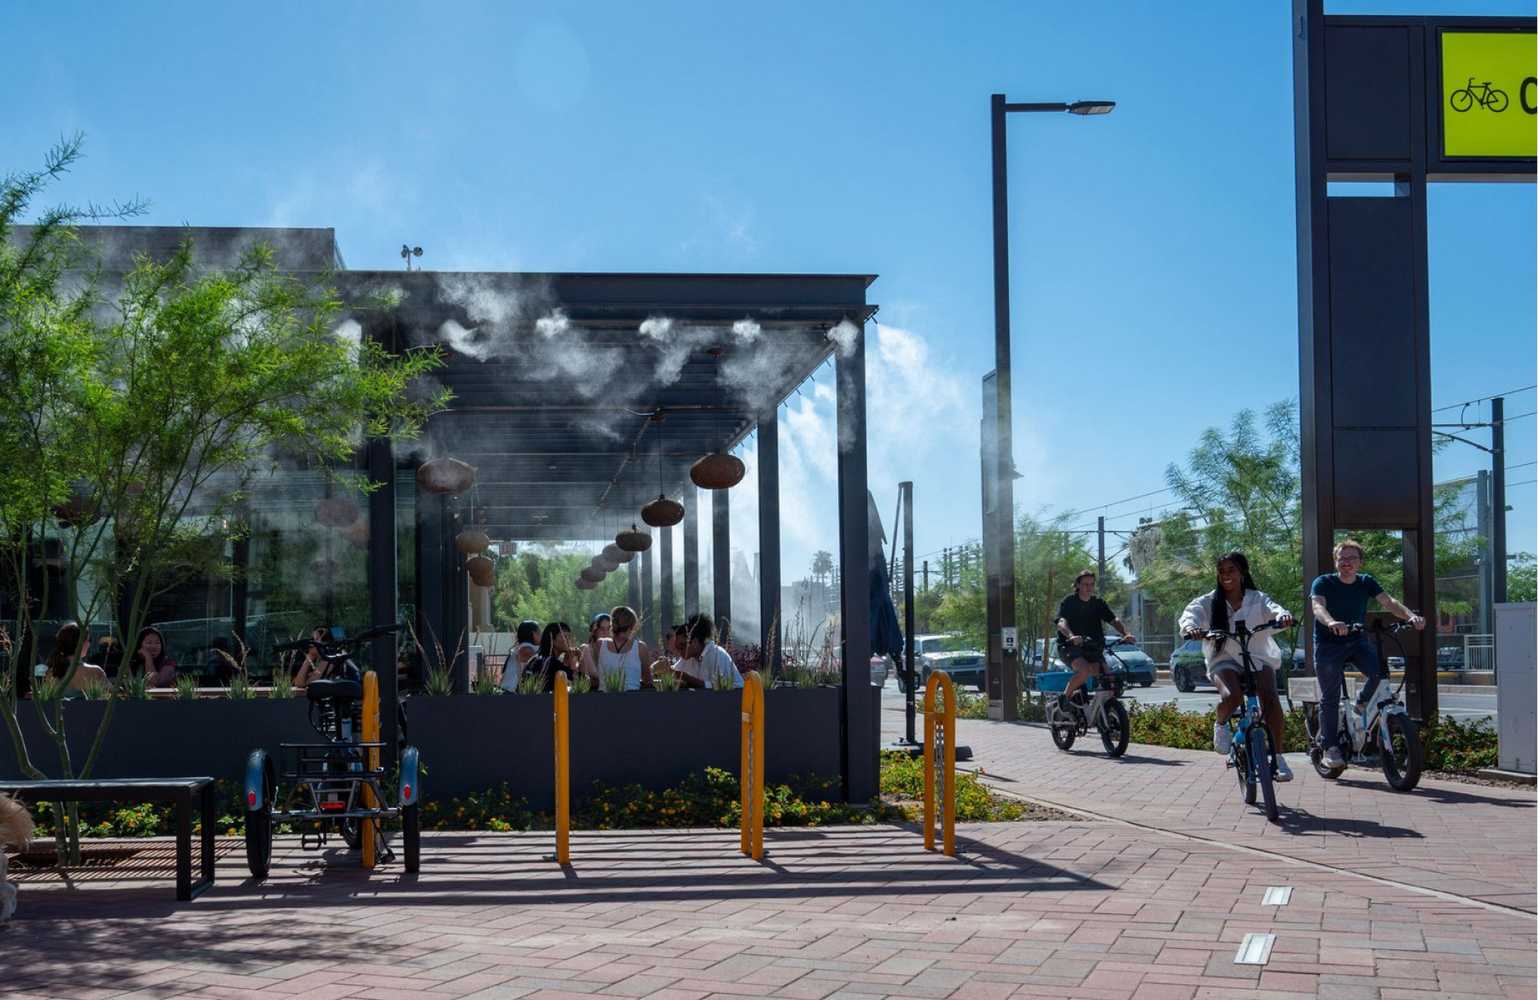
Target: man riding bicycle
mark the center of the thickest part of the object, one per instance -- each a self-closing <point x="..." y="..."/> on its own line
<point x="1339" y="600"/>
<point x="1079" y="624"/>
<point x="1236" y="599"/>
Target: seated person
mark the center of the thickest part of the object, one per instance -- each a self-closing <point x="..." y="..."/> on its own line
<point x="69" y="647"/>
<point x="316" y="667"/>
<point x="556" y="653"/>
<point x="624" y="653"/>
<point x="108" y="654"/>
<point x="524" y="651"/>
<point x="705" y="664"/>
<point x="674" y="641"/>
<point x="221" y="661"/>
<point x="150" y="656"/>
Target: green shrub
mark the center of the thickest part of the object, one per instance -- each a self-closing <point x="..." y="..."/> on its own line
<point x="902" y="778"/>
<point x="1455" y="746"/>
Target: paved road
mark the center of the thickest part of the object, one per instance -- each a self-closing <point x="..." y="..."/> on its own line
<point x="1478" y="703"/>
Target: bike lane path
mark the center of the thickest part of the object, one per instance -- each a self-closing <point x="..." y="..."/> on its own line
<point x="1472" y="841"/>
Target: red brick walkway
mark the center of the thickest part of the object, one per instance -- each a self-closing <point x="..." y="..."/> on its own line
<point x="1471" y="840"/>
<point x="1094" y="909"/>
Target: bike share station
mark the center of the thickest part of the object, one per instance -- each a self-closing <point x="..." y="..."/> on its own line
<point x="1400" y="102"/>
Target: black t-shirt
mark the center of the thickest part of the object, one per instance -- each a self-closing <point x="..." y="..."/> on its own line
<point x="1085" y="618"/>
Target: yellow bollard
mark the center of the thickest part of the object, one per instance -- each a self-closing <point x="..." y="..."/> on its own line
<point x="751" y="775"/>
<point x="945" y="721"/>
<point x="562" y="771"/>
<point x="371" y="759"/>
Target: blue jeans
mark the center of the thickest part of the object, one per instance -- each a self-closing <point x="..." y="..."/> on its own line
<point x="1330" y="656"/>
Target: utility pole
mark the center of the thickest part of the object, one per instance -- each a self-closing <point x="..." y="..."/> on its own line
<point x="926" y="576"/>
<point x="1100" y="560"/>
<point x="910" y="677"/>
<point x="1498" y="498"/>
<point x="1483" y="511"/>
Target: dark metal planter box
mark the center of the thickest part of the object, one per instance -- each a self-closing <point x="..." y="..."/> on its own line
<point x="649" y="738"/>
<point x="163" y="739"/>
<point x="469" y="742"/>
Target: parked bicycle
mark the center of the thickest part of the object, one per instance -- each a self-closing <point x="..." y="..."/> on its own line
<point x="1250" y="753"/>
<point x="1387" y="737"/>
<point x="1104" y="710"/>
<point x="1483" y="94"/>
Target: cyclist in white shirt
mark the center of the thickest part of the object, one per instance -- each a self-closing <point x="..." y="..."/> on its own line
<point x="705" y="664"/>
<point x="1235" y="600"/>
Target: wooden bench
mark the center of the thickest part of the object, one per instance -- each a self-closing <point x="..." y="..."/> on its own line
<point x="185" y="793"/>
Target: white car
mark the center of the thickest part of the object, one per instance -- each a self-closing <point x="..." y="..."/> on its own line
<point x="951" y="654"/>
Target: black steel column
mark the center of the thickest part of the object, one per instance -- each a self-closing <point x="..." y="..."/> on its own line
<point x="1498" y="502"/>
<point x="861" y="725"/>
<point x="648" y="607"/>
<point x="771" y="625"/>
<point x="665" y="551"/>
<point x="1003" y="550"/>
<point x="429" y="581"/>
<point x="455" y="634"/>
<point x="383" y="587"/>
<point x="721" y="555"/>
<point x="240" y="588"/>
<point x="905" y="489"/>
<point x="691" y="550"/>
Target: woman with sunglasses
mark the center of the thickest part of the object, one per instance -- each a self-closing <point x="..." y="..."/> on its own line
<point x="556" y="653"/>
<point x="624" y="652"/>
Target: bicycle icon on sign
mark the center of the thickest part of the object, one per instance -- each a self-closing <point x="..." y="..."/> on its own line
<point x="1483" y="95"/>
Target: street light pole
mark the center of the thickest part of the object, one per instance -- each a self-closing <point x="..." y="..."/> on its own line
<point x="1003" y="554"/>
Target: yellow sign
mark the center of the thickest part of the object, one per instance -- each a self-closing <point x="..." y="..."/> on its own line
<point x="1489" y="93"/>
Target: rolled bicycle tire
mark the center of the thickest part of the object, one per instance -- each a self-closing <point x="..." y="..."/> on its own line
<point x="1246" y="774"/>
<point x="1404" y="757"/>
<point x="1260" y="763"/>
<point x="259" y="840"/>
<point x="411" y="836"/>
<point x="1115" y="729"/>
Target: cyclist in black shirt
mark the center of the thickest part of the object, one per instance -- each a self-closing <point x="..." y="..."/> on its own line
<point x="1081" y="642"/>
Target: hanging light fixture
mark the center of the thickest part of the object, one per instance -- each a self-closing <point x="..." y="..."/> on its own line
<point x="483" y="572"/>
<point x="717" y="471"/>
<point x="445" y="475"/>
<point x="633" y="540"/>
<point x="592" y="574"/>
<point x="583" y="583"/>
<point x="663" y="512"/>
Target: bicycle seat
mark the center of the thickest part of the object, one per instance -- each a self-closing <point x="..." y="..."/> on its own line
<point x="341" y="689"/>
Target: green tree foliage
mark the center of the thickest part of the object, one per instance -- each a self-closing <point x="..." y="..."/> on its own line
<point x="136" y="417"/>
<point x="542" y="586"/>
<point x="1047" y="557"/>
<point x="1521" y="581"/>
<point x="1241" y="489"/>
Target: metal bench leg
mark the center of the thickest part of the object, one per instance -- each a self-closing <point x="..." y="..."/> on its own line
<point x="184" y="846"/>
<point x="210" y="805"/>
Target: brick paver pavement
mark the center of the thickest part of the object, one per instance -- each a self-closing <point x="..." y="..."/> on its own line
<point x="1089" y="910"/>
<point x="1094" y="909"/>
<point x="1471" y="840"/>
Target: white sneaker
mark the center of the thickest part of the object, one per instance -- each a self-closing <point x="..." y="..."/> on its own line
<point x="1332" y="758"/>
<point x="1281" y="771"/>
<point x="1222" y="737"/>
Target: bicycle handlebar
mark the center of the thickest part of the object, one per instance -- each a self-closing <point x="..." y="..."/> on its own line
<point x="1216" y="633"/>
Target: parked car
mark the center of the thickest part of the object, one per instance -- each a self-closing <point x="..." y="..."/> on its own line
<point x="1188" y="667"/>
<point x="1139" y="666"/>
<point x="880" y="669"/>
<point x="952" y="655"/>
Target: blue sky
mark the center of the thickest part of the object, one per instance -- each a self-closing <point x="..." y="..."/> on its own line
<point x="1153" y="250"/>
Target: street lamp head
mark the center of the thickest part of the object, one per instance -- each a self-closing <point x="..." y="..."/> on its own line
<point x="1091" y="107"/>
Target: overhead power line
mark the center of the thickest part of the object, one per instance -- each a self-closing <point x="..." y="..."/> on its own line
<point x="1481" y="399"/>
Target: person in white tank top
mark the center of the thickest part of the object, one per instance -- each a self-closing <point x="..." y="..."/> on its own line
<point x="624" y="652"/>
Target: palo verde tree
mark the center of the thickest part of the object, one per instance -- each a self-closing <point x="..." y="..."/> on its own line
<point x="136" y="419"/>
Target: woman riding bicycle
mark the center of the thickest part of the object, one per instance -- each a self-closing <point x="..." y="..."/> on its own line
<point x="1236" y="599"/>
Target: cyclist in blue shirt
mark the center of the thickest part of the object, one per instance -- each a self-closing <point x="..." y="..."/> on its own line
<point x="1339" y="601"/>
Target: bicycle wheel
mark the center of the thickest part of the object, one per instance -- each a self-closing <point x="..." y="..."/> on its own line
<point x="1404" y="756"/>
<point x="1063" y="730"/>
<point x="1498" y="100"/>
<point x="1115" y="730"/>
<point x="1242" y="765"/>
<point x="1461" y="100"/>
<point x="1260" y="764"/>
<point x="352" y="833"/>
